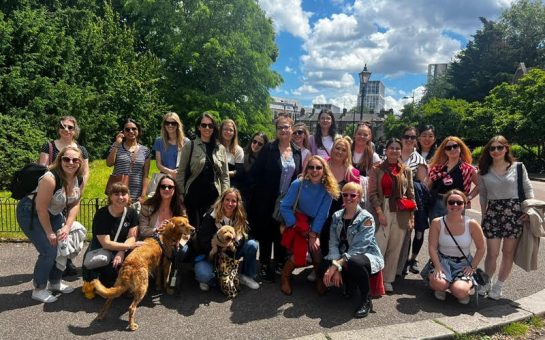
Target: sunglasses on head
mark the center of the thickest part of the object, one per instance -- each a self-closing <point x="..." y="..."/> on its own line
<point x="129" y="129"/>
<point x="315" y="167"/>
<point x="67" y="159"/>
<point x="409" y="137"/>
<point x="257" y="142"/>
<point x="298" y="132"/>
<point x="349" y="194"/>
<point x="207" y="126"/>
<point x="166" y="187"/>
<point x="452" y="146"/>
<point x="168" y="123"/>
<point x="455" y="202"/>
<point x="498" y="148"/>
<point x="66" y="127"/>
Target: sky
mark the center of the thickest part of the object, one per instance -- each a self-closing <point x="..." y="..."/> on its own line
<point x="324" y="44"/>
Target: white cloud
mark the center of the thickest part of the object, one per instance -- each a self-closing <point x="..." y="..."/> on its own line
<point x="288" y="69"/>
<point x="288" y="15"/>
<point x="319" y="99"/>
<point x="305" y="89"/>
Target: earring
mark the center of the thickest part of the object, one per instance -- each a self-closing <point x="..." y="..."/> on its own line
<point x="323" y="179"/>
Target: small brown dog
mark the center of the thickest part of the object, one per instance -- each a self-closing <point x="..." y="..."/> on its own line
<point x="223" y="240"/>
<point x="142" y="262"/>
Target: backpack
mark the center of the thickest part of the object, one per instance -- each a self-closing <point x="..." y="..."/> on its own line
<point x="25" y="181"/>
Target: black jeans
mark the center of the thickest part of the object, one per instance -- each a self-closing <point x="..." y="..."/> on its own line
<point x="357" y="272"/>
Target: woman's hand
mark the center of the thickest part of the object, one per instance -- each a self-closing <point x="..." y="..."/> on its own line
<point x="337" y="279"/>
<point x="328" y="275"/>
<point x="138" y="244"/>
<point x="62" y="234"/>
<point x="118" y="259"/>
<point x="468" y="271"/>
<point x="313" y="242"/>
<point x="382" y="219"/>
<point x="52" y="238"/>
<point x="524" y="218"/>
<point x="438" y="274"/>
<point x="119" y="138"/>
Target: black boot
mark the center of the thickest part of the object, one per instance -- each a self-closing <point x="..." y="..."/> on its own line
<point x="365" y="308"/>
<point x="412" y="265"/>
<point x="266" y="273"/>
<point x="71" y="269"/>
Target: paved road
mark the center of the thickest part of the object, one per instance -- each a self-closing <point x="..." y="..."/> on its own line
<point x="265" y="313"/>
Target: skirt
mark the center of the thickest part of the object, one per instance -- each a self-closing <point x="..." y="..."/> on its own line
<point x="501" y="219"/>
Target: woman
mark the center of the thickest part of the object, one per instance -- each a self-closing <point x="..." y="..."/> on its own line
<point x="426" y="142"/>
<point x="235" y="154"/>
<point x="502" y="222"/>
<point x="251" y="152"/>
<point x="106" y="223"/>
<point x="450" y="269"/>
<point x="49" y="226"/>
<point x="388" y="183"/>
<point x="326" y="131"/>
<point x="169" y="145"/>
<point x="129" y="157"/>
<point x="353" y="254"/>
<point x="228" y="210"/>
<point x="203" y="172"/>
<point x="419" y="168"/>
<point x="450" y="168"/>
<point x="300" y="138"/>
<point x="363" y="155"/>
<point x="279" y="163"/>
<point x="304" y="209"/>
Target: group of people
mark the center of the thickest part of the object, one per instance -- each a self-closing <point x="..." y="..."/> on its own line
<point x="322" y="199"/>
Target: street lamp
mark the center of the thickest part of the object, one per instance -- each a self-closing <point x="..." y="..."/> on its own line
<point x="408" y="97"/>
<point x="364" y="78"/>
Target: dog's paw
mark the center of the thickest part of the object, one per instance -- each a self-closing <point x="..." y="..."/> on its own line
<point x="133" y="326"/>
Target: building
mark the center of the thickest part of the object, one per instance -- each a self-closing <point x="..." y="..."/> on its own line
<point x="435" y="70"/>
<point x="284" y="106"/>
<point x="333" y="108"/>
<point x="373" y="101"/>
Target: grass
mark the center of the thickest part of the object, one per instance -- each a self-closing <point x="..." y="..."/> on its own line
<point x="533" y="328"/>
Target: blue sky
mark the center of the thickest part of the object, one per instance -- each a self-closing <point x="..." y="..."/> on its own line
<point x="324" y="44"/>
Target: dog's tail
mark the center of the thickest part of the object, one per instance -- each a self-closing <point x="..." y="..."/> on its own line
<point x="107" y="293"/>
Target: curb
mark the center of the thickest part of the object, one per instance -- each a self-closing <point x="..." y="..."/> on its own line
<point x="537" y="179"/>
<point x="485" y="320"/>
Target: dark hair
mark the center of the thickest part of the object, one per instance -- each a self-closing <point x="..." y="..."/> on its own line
<point x="208" y="115"/>
<point x="176" y="204"/>
<point x="409" y="128"/>
<point x="332" y="129"/>
<point x="433" y="147"/>
<point x="392" y="141"/>
<point x="486" y="160"/>
<point x="248" y="149"/>
<point x="119" y="187"/>
<point x="130" y="120"/>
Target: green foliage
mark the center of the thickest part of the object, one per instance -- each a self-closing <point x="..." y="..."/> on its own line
<point x="515" y="329"/>
<point x="18" y="141"/>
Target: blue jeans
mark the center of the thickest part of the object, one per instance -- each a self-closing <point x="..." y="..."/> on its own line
<point x="438" y="209"/>
<point x="45" y="268"/>
<point x="204" y="269"/>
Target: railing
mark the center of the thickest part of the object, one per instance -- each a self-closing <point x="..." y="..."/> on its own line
<point x="8" y="220"/>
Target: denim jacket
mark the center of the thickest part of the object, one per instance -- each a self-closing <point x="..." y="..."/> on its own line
<point x="361" y="239"/>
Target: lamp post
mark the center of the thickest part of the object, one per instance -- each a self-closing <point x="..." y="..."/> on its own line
<point x="408" y="97"/>
<point x="364" y="78"/>
<point x="294" y="107"/>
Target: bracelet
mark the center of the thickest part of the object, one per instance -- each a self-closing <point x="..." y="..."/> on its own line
<point x="337" y="265"/>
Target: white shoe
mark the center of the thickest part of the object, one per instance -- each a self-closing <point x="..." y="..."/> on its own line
<point x="388" y="288"/>
<point x="204" y="286"/>
<point x="312" y="276"/>
<point x="483" y="290"/>
<point x="495" y="293"/>
<point x="441" y="296"/>
<point x="43" y="295"/>
<point x="248" y="281"/>
<point x="61" y="287"/>
<point x="464" y="301"/>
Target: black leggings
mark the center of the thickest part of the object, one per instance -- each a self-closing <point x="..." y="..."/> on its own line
<point x="356" y="272"/>
<point x="267" y="237"/>
<point x="418" y="241"/>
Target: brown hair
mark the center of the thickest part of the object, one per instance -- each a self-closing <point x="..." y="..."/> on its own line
<point x="239" y="220"/>
<point x="486" y="160"/>
<point x="454" y="192"/>
<point x="75" y="122"/>
<point x="116" y="188"/>
<point x="234" y="142"/>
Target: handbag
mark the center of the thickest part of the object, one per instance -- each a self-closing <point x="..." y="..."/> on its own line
<point x="101" y="257"/>
<point x="116" y="179"/>
<point x="406" y="204"/>
<point x="479" y="276"/>
<point x="276" y="215"/>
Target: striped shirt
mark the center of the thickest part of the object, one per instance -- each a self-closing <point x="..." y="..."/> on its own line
<point x="414" y="160"/>
<point x="124" y="166"/>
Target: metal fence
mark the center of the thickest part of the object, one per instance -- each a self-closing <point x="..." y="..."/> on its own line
<point x="8" y="220"/>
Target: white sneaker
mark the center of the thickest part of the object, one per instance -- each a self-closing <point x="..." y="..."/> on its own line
<point x="388" y="288"/>
<point x="43" y="295"/>
<point x="248" y="281"/>
<point x="61" y="287"/>
<point x="464" y="301"/>
<point x="483" y="290"/>
<point x="495" y="293"/>
<point x="441" y="296"/>
<point x="204" y="286"/>
<point x="312" y="276"/>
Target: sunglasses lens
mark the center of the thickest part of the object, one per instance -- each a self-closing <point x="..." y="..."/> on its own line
<point x="351" y="195"/>
<point x="257" y="142"/>
<point x="70" y="160"/>
<point x="455" y="202"/>
<point x="167" y="187"/>
<point x="171" y="123"/>
<point x="130" y="129"/>
<point x="66" y="127"/>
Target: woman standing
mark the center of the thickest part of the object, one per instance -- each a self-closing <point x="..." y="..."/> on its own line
<point x="502" y="222"/>
<point x="278" y="164"/>
<point x="326" y="131"/>
<point x="228" y="210"/>
<point x="449" y="236"/>
<point x="300" y="138"/>
<point x="451" y="168"/>
<point x="388" y="183"/>
<point x="129" y="157"/>
<point x="426" y="142"/>
<point x="45" y="225"/>
<point x="203" y="171"/>
<point x="235" y="154"/>
<point x="251" y="152"/>
<point x="169" y="145"/>
<point x="363" y="155"/>
<point x="304" y="209"/>
<point x="353" y="254"/>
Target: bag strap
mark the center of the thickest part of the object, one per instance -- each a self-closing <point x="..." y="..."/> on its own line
<point x="120" y="224"/>
<point x="520" y="188"/>
<point x="187" y="167"/>
<point x="297" y="198"/>
<point x="50" y="153"/>
<point x="456" y="242"/>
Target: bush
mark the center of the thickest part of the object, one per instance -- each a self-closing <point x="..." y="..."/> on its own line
<point x="20" y="144"/>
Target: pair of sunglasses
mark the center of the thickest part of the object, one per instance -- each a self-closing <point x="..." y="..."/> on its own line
<point x="452" y="146"/>
<point x="349" y="194"/>
<point x="454" y="202"/>
<point x="166" y="187"/>
<point x="257" y="142"/>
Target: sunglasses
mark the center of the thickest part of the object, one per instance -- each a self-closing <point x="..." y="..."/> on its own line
<point x="498" y="148"/>
<point x="454" y="202"/>
<point x="298" y="132"/>
<point x="283" y="127"/>
<point x="315" y="167"/>
<point x="166" y="187"/>
<point x="67" y="159"/>
<point x="66" y="127"/>
<point x="207" y="126"/>
<point x="167" y="123"/>
<point x="257" y="142"/>
<point x="129" y="129"/>
<point x="409" y="137"/>
<point x="452" y="146"/>
<point x="349" y="194"/>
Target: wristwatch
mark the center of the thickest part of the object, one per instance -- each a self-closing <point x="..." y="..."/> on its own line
<point x="337" y="265"/>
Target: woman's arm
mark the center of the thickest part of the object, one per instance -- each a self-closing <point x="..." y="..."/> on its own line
<point x="145" y="229"/>
<point x="131" y="240"/>
<point x="483" y="193"/>
<point x="526" y="184"/>
<point x="161" y="167"/>
<point x="109" y="244"/>
<point x="433" y="244"/>
<point x="205" y="232"/>
<point x="478" y="238"/>
<point x="224" y="176"/>
<point x="46" y="186"/>
<point x="112" y="155"/>
<point x="182" y="167"/>
<point x="475" y="191"/>
<point x="323" y="211"/>
<point x="145" y="180"/>
<point x="44" y="159"/>
<point x="286" y="205"/>
<point x="73" y="212"/>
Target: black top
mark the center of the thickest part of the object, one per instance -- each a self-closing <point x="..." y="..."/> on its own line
<point x="105" y="224"/>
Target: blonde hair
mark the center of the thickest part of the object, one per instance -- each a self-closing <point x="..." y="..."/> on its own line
<point x="234" y="142"/>
<point x="440" y="157"/>
<point x="354" y="186"/>
<point x="179" y="130"/>
<point x="328" y="180"/>
<point x="57" y="164"/>
<point x="239" y="219"/>
<point x="76" y="126"/>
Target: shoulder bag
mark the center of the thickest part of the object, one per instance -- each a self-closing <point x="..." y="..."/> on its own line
<point x="101" y="257"/>
<point x="276" y="215"/>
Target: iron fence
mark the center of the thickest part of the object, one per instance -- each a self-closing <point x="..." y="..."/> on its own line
<point x="8" y="220"/>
